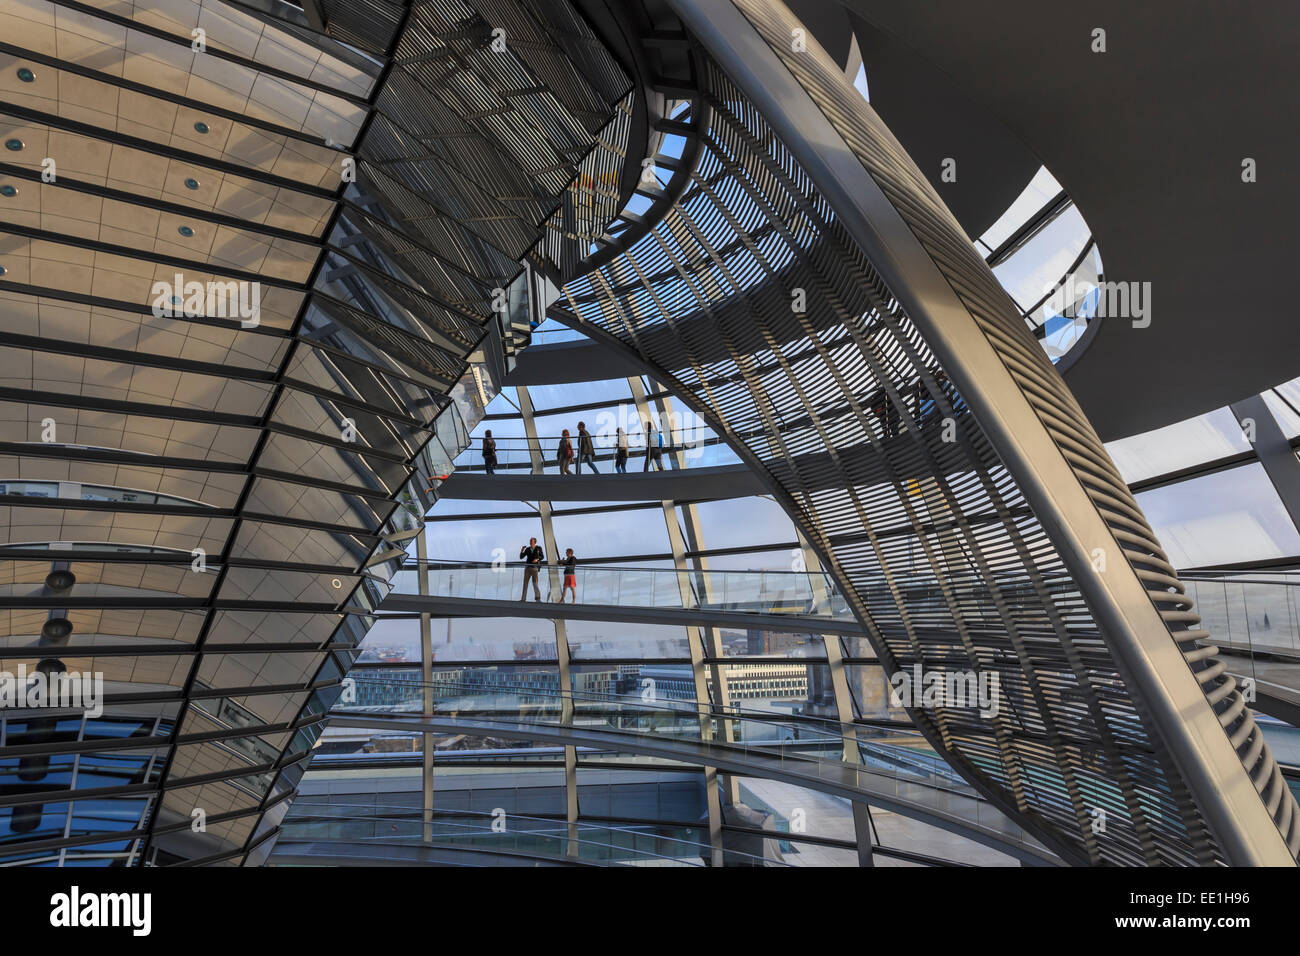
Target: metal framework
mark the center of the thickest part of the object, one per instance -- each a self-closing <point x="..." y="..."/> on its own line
<point x="231" y="499"/>
<point x="1116" y="739"/>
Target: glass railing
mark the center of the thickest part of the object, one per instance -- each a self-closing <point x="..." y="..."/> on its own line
<point x="481" y="692"/>
<point x="1250" y="610"/>
<point x="1284" y="740"/>
<point x="798" y="593"/>
<point x="541" y="456"/>
<point x="803" y="737"/>
<point x="1253" y="619"/>
<point x="591" y="842"/>
<point x="1248" y="613"/>
<point x="811" y="748"/>
<point x="794" y="593"/>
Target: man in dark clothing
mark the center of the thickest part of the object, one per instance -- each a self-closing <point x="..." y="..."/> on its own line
<point x="532" y="555"/>
<point x="924" y="407"/>
<point x="950" y="390"/>
<point x="885" y="414"/>
<point x="489" y="453"/>
<point x="654" y="447"/>
<point x="586" y="450"/>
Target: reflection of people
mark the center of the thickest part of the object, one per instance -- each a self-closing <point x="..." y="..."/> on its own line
<point x="946" y="386"/>
<point x="532" y="555"/>
<point x="586" y="450"/>
<point x="620" y="452"/>
<point x="489" y="452"/>
<point x="886" y="415"/>
<point x="570" y="577"/>
<point x="924" y="406"/>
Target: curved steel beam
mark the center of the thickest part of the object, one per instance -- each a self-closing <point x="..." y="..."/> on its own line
<point x="947" y="810"/>
<point x="338" y="853"/>
<point x="686" y="484"/>
<point x="550" y="610"/>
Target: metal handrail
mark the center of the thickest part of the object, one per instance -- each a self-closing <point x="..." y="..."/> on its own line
<point x="831" y="730"/>
<point x="559" y="831"/>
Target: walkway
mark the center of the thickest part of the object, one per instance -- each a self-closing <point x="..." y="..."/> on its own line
<point x="289" y="852"/>
<point x="677" y="616"/>
<point x="961" y="813"/>
<point x="687" y="484"/>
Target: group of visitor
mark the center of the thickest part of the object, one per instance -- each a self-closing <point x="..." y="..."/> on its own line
<point x="571" y="460"/>
<point x="533" y="556"/>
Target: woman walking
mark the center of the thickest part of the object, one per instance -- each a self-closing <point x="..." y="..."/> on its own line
<point x="564" y="454"/>
<point x="620" y="452"/>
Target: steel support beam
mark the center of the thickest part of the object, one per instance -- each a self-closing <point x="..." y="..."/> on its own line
<point x="544" y="509"/>
<point x="1274" y="451"/>
<point x="694" y="636"/>
<point x="426" y="676"/>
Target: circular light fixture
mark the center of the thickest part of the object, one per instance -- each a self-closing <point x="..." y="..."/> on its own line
<point x="336" y="583"/>
<point x="25" y="74"/>
<point x="13" y="145"/>
<point x="60" y="580"/>
<point x="3" y="270"/>
<point x="200" y="127"/>
<point x="8" y="191"/>
<point x="191" y="183"/>
<point x="56" y="627"/>
<point x="186" y="231"/>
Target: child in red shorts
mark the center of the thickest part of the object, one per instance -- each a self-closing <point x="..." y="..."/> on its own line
<point x="570" y="576"/>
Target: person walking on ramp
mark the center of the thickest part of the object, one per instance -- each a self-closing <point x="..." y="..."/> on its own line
<point x="586" y="450"/>
<point x="564" y="453"/>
